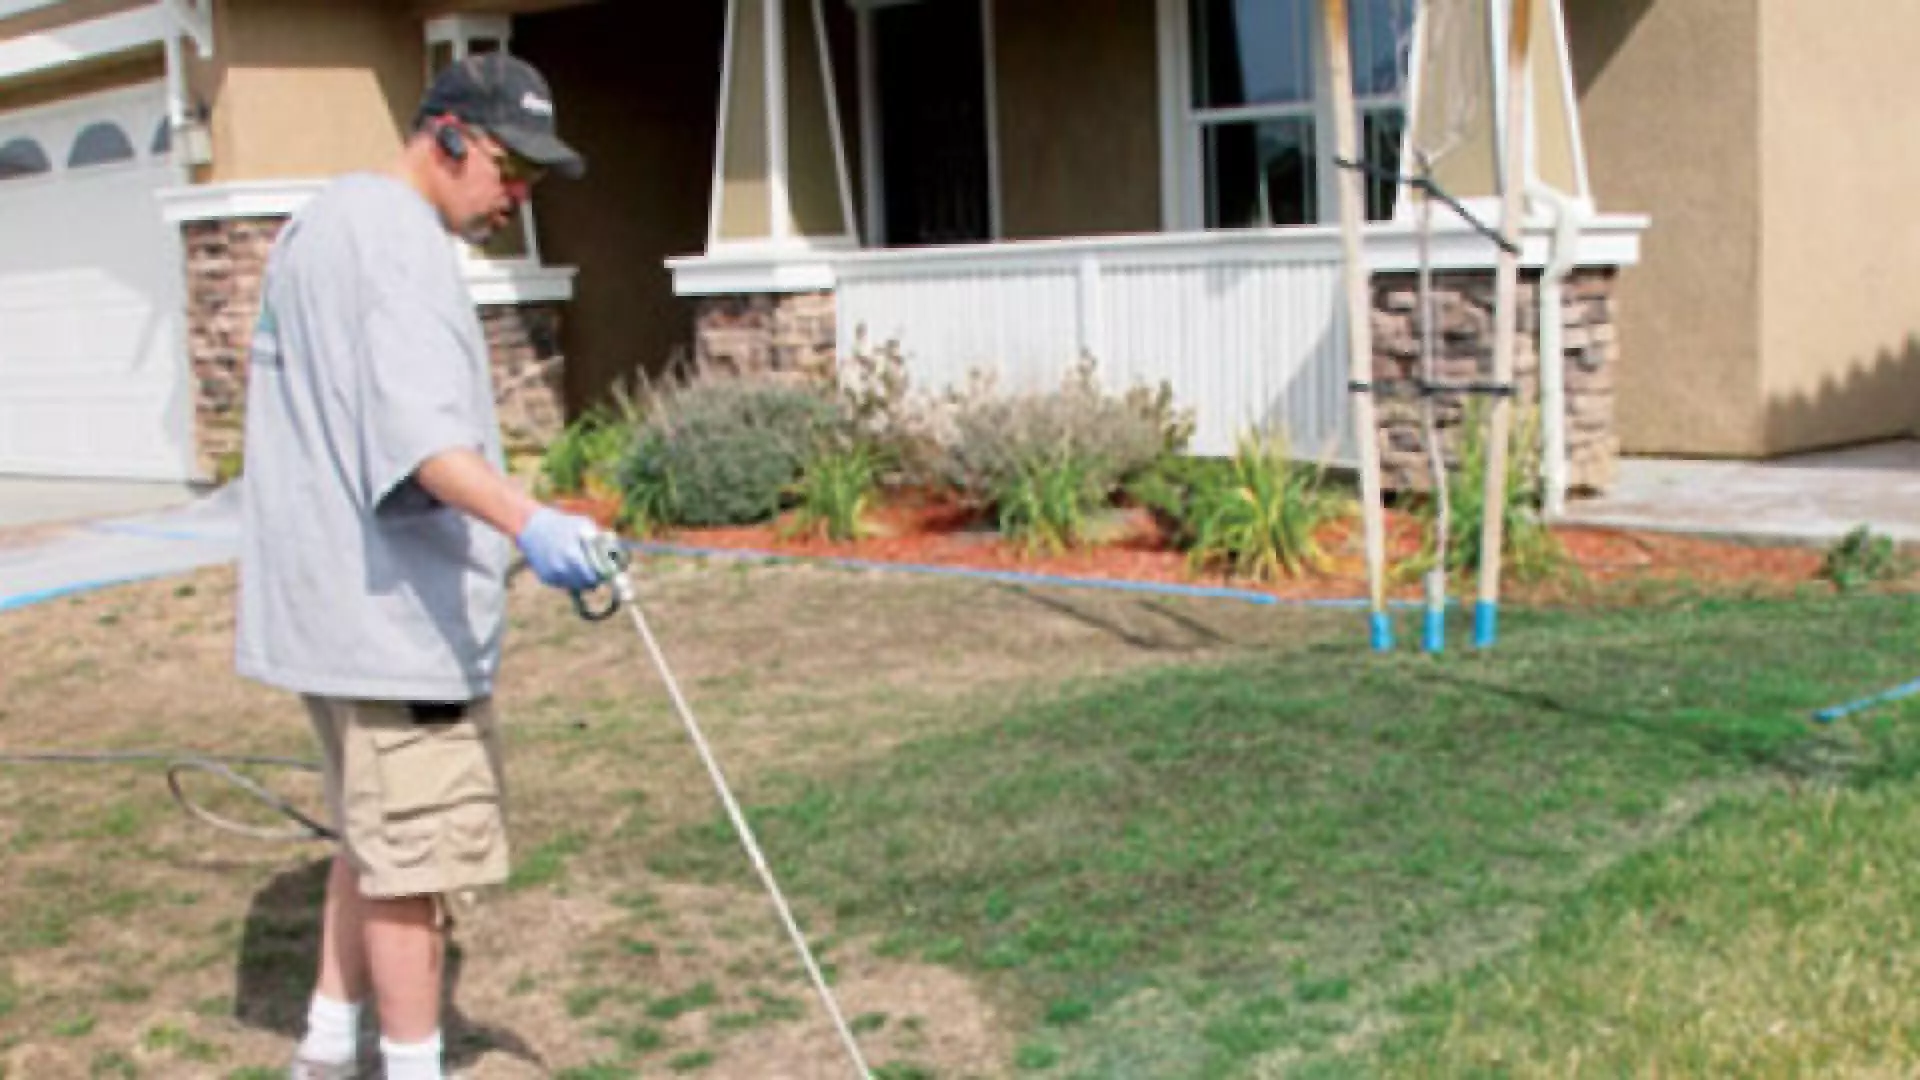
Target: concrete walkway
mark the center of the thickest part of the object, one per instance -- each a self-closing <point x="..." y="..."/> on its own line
<point x="1811" y="499"/>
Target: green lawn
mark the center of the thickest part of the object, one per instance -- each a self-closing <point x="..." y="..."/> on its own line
<point x="1614" y="845"/>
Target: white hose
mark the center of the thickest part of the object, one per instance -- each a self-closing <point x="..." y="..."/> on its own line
<point x="623" y="589"/>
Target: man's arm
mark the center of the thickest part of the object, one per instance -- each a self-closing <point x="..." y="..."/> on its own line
<point x="556" y="545"/>
<point x="467" y="482"/>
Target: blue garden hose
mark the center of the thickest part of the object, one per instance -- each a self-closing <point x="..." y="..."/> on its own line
<point x="1836" y="712"/>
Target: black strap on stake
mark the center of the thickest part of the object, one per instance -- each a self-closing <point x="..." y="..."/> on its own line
<point x="1423" y="388"/>
<point x="1426" y="184"/>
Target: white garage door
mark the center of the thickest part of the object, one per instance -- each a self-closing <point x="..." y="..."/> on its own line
<point x="93" y="373"/>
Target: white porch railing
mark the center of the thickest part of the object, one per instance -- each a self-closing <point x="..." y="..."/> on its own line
<point x="1247" y="330"/>
<point x="1247" y="327"/>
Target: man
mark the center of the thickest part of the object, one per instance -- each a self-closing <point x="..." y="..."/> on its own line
<point x="375" y="542"/>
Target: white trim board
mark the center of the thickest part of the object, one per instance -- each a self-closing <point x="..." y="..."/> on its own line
<point x="104" y="36"/>
<point x="1607" y="240"/>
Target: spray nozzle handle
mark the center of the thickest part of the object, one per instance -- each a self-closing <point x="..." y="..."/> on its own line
<point x="610" y="559"/>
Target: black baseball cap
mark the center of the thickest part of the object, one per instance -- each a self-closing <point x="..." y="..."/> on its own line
<point x="505" y="97"/>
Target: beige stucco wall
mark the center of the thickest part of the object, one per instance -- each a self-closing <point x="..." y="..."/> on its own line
<point x="1092" y="61"/>
<point x="1840" y="291"/>
<point x="1669" y="92"/>
<point x="365" y="59"/>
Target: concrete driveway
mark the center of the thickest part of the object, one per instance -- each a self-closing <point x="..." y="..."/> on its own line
<point x="29" y="500"/>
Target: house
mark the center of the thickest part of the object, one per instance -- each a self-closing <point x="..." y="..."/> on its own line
<point x="1002" y="183"/>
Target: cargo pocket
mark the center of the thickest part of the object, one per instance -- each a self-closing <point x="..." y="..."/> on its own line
<point x="429" y="776"/>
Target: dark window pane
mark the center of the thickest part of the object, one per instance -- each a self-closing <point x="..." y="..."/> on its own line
<point x="1260" y="174"/>
<point x="162" y="140"/>
<point x="1251" y="52"/>
<point x="22" y="157"/>
<point x="1381" y="131"/>
<point x="100" y="144"/>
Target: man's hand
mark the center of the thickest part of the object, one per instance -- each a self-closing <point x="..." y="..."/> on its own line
<point x="559" y="548"/>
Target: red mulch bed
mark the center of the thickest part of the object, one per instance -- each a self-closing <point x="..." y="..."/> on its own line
<point x="930" y="531"/>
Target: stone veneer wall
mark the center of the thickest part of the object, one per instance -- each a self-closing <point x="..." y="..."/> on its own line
<point x="790" y="331"/>
<point x="1463" y="317"/>
<point x="764" y="332"/>
<point x="225" y="262"/>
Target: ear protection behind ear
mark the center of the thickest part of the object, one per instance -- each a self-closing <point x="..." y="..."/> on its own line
<point x="451" y="140"/>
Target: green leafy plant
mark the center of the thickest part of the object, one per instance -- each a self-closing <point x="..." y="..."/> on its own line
<point x="1861" y="558"/>
<point x="836" y="488"/>
<point x="1048" y="503"/>
<point x="1530" y="551"/>
<point x="1260" y="516"/>
<point x="584" y="458"/>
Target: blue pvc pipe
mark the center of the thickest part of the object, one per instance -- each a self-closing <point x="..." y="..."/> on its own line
<point x="1832" y="713"/>
<point x="1382" y="632"/>
<point x="41" y="596"/>
<point x="1486" y="624"/>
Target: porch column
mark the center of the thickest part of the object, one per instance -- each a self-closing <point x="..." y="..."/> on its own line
<point x="780" y="178"/>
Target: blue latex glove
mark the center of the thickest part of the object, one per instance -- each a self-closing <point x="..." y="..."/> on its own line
<point x="558" y="549"/>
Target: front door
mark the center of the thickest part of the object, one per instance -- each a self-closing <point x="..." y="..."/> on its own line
<point x="930" y="90"/>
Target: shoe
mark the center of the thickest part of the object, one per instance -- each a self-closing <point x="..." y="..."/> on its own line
<point x="309" y="1069"/>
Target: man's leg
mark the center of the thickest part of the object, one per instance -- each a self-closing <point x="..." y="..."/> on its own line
<point x="343" y="944"/>
<point x="404" y="952"/>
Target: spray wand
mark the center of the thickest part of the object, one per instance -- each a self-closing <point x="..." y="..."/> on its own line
<point x="611" y="558"/>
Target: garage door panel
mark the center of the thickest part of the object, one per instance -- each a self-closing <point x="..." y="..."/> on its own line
<point x="93" y="373"/>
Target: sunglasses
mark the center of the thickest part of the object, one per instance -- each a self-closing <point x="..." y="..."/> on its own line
<point x="515" y="169"/>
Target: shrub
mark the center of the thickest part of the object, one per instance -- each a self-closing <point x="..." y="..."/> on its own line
<point x="723" y="450"/>
<point x="585" y="457"/>
<point x="1862" y="557"/>
<point x="836" y="485"/>
<point x="1531" y="551"/>
<point x="879" y="409"/>
<point x="994" y="438"/>
<point x="1259" y="516"/>
<point x="1048" y="504"/>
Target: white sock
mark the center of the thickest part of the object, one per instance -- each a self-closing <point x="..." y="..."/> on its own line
<point x="333" y="1030"/>
<point x="412" y="1061"/>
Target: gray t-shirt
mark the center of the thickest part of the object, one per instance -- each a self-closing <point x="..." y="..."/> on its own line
<point x="368" y="359"/>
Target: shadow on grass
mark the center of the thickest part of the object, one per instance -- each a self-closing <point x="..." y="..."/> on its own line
<point x="273" y="980"/>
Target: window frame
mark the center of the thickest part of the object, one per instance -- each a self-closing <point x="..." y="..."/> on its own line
<point x="459" y="32"/>
<point x="1184" y="124"/>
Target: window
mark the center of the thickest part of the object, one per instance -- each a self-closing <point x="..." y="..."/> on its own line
<point x="99" y="143"/>
<point x="22" y="157"/>
<point x="1257" y="109"/>
<point x="162" y="144"/>
<point x="451" y="39"/>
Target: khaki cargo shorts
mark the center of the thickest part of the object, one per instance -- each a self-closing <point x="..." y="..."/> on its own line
<point x="416" y="793"/>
